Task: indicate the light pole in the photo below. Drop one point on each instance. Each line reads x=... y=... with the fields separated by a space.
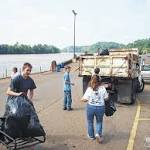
x=74 y=32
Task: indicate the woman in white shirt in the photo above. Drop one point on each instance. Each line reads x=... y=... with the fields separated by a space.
x=95 y=95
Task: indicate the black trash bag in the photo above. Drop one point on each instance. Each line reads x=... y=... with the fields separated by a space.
x=104 y=52
x=34 y=126
x=17 y=106
x=16 y=127
x=110 y=107
x=19 y=113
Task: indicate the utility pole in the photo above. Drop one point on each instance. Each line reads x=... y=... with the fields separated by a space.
x=74 y=55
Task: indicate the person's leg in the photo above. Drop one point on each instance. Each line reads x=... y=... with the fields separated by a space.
x=99 y=119
x=65 y=100
x=69 y=100
x=90 y=121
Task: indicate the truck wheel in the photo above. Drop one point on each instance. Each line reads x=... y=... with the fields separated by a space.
x=133 y=91
x=140 y=88
x=86 y=80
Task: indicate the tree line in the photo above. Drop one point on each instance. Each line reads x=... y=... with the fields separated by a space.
x=94 y=47
x=27 y=49
x=143 y=45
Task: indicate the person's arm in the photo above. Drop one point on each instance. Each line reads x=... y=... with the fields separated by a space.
x=31 y=94
x=106 y=99
x=68 y=82
x=84 y=100
x=14 y=84
x=66 y=78
x=106 y=96
x=86 y=95
x=12 y=93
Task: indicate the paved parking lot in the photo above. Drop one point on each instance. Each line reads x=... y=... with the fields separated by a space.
x=128 y=129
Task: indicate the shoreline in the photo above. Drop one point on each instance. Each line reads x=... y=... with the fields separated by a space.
x=36 y=73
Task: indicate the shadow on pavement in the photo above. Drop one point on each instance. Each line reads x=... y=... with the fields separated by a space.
x=115 y=137
x=54 y=147
x=79 y=109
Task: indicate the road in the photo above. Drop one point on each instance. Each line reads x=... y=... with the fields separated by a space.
x=126 y=130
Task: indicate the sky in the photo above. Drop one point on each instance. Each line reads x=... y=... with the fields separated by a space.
x=51 y=21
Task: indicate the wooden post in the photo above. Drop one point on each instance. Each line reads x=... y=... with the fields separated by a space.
x=40 y=69
x=6 y=72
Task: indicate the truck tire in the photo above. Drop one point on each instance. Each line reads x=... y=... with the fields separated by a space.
x=140 y=87
x=133 y=91
x=85 y=81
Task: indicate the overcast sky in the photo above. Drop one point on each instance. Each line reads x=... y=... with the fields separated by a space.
x=51 y=21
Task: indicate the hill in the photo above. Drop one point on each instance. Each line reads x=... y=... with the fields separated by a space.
x=143 y=45
x=94 y=47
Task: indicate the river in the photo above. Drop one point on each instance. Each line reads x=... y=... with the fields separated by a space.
x=40 y=62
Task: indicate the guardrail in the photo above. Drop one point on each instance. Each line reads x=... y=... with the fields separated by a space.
x=7 y=72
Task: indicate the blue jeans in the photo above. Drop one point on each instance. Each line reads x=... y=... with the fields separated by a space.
x=67 y=99
x=98 y=112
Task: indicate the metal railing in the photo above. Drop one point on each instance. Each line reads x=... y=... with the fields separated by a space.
x=7 y=72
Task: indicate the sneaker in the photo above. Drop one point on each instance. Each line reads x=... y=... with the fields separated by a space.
x=69 y=109
x=99 y=138
x=64 y=108
x=90 y=137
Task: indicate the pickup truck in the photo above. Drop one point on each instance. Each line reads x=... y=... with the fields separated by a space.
x=146 y=72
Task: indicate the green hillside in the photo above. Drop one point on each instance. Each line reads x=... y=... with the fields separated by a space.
x=94 y=47
x=143 y=45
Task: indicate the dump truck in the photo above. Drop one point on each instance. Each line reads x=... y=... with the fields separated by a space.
x=120 y=68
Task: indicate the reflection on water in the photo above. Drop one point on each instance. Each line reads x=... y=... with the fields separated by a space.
x=38 y=61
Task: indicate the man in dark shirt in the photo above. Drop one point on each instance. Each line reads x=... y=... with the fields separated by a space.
x=22 y=84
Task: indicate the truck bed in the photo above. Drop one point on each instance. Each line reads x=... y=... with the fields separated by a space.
x=116 y=64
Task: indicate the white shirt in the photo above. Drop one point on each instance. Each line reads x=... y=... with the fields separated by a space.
x=96 y=98
x=13 y=75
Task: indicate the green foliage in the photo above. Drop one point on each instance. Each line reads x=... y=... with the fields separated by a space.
x=93 y=48
x=105 y=45
x=27 y=49
x=143 y=45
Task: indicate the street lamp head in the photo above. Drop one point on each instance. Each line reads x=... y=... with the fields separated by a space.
x=74 y=12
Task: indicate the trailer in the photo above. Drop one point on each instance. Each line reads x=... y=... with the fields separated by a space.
x=120 y=68
x=17 y=143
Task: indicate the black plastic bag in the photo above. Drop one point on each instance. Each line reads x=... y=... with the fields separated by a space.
x=110 y=107
x=16 y=127
x=21 y=118
x=18 y=106
x=104 y=52
x=34 y=126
